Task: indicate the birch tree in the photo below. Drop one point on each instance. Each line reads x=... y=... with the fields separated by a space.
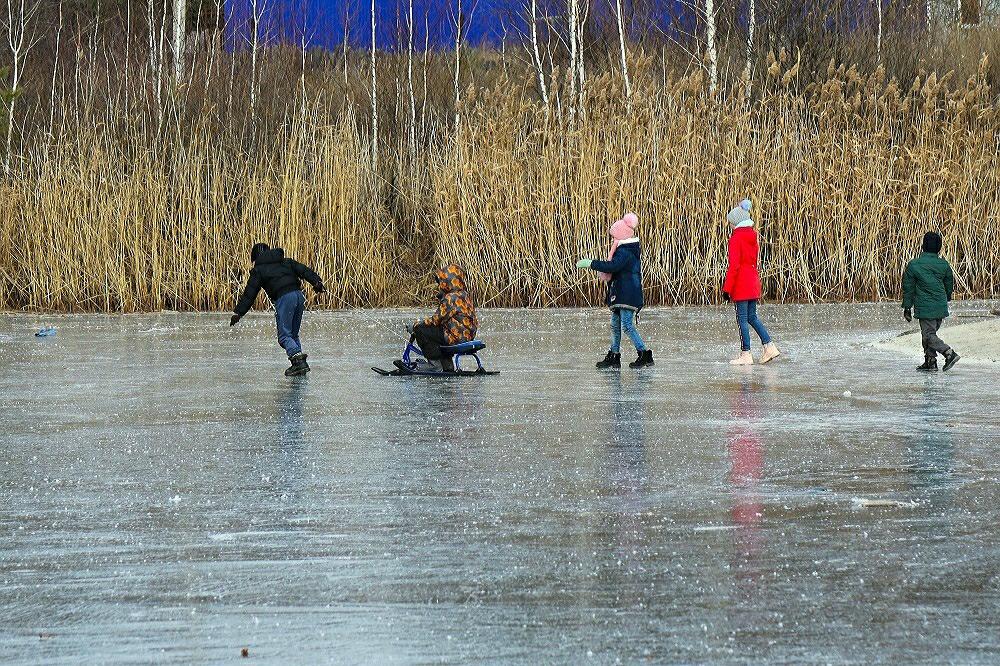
x=458 y=62
x=751 y=29
x=55 y=71
x=374 y=73
x=624 y=54
x=409 y=81
x=537 y=56
x=878 y=37
x=180 y=34
x=257 y=7
x=574 y=11
x=21 y=39
x=711 y=55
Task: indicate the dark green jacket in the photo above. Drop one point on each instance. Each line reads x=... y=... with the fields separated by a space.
x=927 y=286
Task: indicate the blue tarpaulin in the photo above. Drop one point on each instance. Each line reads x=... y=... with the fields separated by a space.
x=328 y=24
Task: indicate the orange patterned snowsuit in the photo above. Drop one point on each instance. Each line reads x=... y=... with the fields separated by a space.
x=456 y=313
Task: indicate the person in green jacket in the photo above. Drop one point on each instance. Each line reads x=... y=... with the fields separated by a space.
x=928 y=283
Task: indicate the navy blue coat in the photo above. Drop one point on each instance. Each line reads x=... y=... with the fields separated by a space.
x=625 y=290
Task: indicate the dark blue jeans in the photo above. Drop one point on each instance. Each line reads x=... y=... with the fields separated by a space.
x=288 y=315
x=746 y=316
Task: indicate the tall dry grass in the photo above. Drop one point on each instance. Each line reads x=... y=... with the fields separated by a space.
x=846 y=176
x=105 y=223
x=123 y=193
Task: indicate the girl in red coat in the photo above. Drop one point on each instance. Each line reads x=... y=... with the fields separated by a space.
x=742 y=285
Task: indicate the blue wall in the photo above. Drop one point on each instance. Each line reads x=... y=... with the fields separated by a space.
x=325 y=23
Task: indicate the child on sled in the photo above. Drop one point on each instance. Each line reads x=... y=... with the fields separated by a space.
x=453 y=323
x=623 y=273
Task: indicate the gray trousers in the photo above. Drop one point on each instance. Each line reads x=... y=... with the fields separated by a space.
x=933 y=345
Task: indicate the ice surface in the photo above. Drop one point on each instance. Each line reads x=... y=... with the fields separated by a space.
x=169 y=497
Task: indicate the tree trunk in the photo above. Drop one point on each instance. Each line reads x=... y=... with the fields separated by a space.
x=536 y=54
x=574 y=11
x=458 y=63
x=180 y=33
x=710 y=52
x=374 y=94
x=751 y=29
x=624 y=53
x=409 y=78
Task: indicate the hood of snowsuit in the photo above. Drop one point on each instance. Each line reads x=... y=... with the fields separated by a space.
x=450 y=279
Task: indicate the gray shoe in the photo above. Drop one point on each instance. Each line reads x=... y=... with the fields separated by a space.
x=423 y=365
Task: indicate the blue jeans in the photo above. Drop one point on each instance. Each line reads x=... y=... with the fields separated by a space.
x=622 y=318
x=288 y=315
x=746 y=316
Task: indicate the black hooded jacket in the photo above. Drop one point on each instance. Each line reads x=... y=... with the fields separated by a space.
x=277 y=276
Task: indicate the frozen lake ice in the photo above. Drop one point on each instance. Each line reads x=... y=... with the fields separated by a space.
x=169 y=497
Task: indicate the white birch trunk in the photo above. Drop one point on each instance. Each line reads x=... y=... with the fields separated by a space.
x=751 y=30
x=180 y=34
x=128 y=50
x=427 y=51
x=374 y=74
x=458 y=63
x=624 y=53
x=55 y=71
x=302 y=79
x=409 y=81
x=710 y=52
x=536 y=54
x=20 y=44
x=581 y=64
x=574 y=11
x=878 y=38
x=159 y=61
x=254 y=45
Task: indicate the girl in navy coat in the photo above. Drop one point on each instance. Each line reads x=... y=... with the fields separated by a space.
x=623 y=272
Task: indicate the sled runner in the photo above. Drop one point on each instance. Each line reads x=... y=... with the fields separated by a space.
x=408 y=366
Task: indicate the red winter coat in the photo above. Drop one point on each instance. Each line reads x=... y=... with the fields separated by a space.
x=742 y=279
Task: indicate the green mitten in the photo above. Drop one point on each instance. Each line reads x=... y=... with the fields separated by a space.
x=584 y=263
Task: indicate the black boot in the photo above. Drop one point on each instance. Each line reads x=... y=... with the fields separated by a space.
x=612 y=360
x=299 y=365
x=950 y=359
x=645 y=359
x=930 y=364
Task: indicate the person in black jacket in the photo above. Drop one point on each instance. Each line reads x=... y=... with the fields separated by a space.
x=281 y=279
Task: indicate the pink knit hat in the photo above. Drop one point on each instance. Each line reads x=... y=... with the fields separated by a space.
x=624 y=228
x=621 y=230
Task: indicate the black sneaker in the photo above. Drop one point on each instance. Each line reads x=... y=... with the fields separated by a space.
x=930 y=364
x=299 y=365
x=612 y=360
x=950 y=359
x=645 y=359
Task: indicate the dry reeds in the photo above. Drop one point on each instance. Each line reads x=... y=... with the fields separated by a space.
x=845 y=175
x=147 y=197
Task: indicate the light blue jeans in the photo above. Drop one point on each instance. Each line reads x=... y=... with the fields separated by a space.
x=746 y=316
x=622 y=318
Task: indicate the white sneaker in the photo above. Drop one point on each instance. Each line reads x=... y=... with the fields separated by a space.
x=769 y=353
x=745 y=358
